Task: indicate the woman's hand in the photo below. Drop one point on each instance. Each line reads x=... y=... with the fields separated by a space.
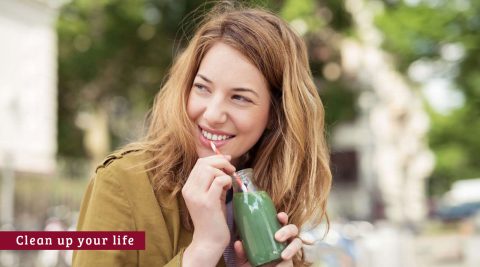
x=286 y=233
x=204 y=194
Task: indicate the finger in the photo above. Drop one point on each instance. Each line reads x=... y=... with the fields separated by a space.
x=286 y=232
x=202 y=177
x=219 y=185
x=282 y=217
x=293 y=248
x=219 y=162
x=239 y=252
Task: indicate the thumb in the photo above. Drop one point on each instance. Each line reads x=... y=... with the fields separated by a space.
x=240 y=252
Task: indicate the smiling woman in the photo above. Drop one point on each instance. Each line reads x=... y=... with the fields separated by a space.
x=244 y=84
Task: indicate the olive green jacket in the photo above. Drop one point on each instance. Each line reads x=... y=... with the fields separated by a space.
x=120 y=197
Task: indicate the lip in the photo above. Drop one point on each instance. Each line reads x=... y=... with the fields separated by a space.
x=218 y=143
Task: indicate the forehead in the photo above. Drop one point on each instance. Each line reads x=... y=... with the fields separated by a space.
x=225 y=65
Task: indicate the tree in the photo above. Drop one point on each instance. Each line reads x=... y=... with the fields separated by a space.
x=445 y=34
x=113 y=56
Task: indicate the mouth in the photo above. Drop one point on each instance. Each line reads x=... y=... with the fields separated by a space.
x=211 y=136
x=218 y=138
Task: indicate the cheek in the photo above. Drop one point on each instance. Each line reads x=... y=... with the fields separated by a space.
x=253 y=125
x=192 y=107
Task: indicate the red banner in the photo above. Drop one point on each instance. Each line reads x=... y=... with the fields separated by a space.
x=70 y=240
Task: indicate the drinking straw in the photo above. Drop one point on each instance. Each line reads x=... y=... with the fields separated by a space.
x=237 y=178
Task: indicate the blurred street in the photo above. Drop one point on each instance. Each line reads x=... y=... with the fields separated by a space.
x=362 y=244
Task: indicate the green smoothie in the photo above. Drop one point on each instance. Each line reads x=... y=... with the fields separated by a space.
x=256 y=220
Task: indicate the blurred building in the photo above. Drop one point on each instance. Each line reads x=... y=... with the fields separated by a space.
x=28 y=85
x=381 y=161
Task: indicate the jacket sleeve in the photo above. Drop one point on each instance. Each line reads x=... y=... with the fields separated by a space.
x=107 y=207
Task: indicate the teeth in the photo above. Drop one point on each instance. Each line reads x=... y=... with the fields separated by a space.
x=214 y=137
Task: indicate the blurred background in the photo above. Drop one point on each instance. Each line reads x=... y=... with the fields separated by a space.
x=400 y=81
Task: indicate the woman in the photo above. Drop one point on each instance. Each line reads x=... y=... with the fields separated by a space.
x=244 y=84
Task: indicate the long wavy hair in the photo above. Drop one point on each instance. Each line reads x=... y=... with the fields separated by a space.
x=291 y=159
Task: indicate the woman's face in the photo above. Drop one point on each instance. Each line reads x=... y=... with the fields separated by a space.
x=229 y=103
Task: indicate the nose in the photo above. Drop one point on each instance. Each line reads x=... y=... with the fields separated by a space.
x=215 y=112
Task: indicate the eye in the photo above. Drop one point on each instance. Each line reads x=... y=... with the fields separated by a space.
x=242 y=99
x=200 y=87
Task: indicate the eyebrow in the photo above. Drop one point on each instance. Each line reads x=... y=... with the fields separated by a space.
x=236 y=89
x=205 y=78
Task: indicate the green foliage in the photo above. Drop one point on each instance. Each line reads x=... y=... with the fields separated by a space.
x=339 y=102
x=295 y=9
x=341 y=20
x=111 y=49
x=323 y=16
x=414 y=32
x=304 y=10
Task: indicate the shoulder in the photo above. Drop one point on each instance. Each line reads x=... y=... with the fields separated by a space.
x=124 y=170
x=128 y=169
x=124 y=160
x=124 y=165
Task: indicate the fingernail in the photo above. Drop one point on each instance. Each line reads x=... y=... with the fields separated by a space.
x=228 y=157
